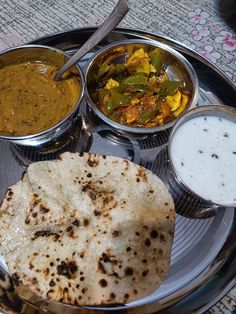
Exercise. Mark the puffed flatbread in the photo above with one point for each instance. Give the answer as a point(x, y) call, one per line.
point(87, 230)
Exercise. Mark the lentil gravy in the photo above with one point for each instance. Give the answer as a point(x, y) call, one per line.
point(31, 101)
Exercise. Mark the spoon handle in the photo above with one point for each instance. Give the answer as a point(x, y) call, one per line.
point(108, 25)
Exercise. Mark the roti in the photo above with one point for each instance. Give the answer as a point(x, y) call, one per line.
point(87, 230)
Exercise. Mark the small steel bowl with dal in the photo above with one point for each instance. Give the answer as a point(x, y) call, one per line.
point(37, 55)
point(174, 67)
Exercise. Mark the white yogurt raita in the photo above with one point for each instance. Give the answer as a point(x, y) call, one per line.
point(203, 152)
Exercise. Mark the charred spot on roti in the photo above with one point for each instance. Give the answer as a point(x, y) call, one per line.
point(128, 271)
point(154, 234)
point(103, 283)
point(141, 174)
point(52, 283)
point(45, 233)
point(92, 161)
point(101, 268)
point(116, 233)
point(71, 234)
point(145, 272)
point(126, 163)
point(67, 269)
point(160, 251)
point(43, 209)
point(106, 258)
point(50, 291)
point(147, 242)
point(128, 249)
point(27, 221)
point(9, 194)
point(126, 297)
point(162, 237)
point(82, 278)
point(31, 266)
point(97, 212)
point(68, 229)
point(76, 223)
point(86, 222)
point(92, 195)
point(34, 215)
point(112, 295)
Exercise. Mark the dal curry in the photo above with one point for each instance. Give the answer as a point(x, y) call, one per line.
point(31, 101)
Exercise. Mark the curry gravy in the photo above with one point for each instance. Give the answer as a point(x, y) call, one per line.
point(31, 101)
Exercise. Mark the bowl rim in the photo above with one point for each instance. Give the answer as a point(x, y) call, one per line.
point(141, 130)
point(216, 110)
point(71, 113)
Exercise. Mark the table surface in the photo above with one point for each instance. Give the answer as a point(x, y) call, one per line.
point(207, 26)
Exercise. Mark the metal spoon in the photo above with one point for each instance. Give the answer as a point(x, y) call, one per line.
point(108, 25)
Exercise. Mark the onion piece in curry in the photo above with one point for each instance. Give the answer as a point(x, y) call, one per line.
point(31, 101)
point(139, 93)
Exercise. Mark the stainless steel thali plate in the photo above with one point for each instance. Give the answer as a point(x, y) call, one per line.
point(204, 249)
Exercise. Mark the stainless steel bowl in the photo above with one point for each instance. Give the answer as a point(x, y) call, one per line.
point(40, 53)
point(216, 110)
point(178, 68)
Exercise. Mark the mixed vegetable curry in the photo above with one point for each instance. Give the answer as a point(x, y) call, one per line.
point(139, 93)
point(30, 99)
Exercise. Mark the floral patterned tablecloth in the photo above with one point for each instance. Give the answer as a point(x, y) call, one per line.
point(207, 26)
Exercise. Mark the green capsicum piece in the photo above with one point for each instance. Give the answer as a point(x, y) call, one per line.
point(169, 88)
point(156, 60)
point(136, 79)
point(117, 100)
point(148, 115)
